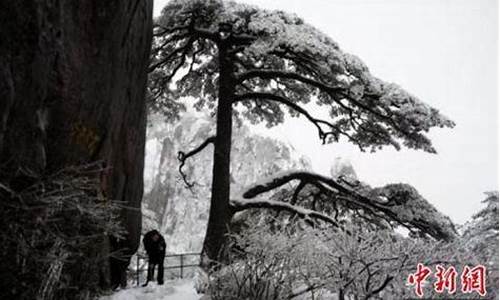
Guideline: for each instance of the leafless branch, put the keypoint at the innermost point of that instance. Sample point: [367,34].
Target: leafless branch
[181,156]
[382,286]
[296,192]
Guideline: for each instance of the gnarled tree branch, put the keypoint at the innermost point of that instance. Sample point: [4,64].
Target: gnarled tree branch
[182,156]
[344,193]
[183,52]
[340,91]
[271,74]
[307,214]
[283,100]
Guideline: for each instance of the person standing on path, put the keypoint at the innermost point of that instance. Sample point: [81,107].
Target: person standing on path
[155,246]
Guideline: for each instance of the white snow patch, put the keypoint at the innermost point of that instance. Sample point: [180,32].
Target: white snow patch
[171,290]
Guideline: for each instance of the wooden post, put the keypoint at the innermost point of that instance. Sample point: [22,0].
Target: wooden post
[182,264]
[137,271]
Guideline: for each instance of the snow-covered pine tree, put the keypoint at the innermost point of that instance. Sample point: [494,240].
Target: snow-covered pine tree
[241,61]
[480,237]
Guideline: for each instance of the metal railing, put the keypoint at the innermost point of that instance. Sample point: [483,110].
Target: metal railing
[142,267]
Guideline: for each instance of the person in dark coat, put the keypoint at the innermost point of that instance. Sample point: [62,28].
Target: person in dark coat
[155,246]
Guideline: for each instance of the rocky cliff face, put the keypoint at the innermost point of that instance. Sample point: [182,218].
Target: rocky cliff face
[181,213]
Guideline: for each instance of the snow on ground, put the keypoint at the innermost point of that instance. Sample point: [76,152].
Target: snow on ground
[171,290]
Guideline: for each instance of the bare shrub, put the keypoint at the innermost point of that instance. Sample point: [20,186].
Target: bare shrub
[266,265]
[56,229]
[316,263]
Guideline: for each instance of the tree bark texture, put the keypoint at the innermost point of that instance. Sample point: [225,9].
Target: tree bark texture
[220,212]
[72,91]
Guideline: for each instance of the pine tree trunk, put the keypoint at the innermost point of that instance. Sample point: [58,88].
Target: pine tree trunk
[220,213]
[341,294]
[72,90]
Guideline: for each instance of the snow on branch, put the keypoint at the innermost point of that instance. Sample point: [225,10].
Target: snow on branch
[178,53]
[307,214]
[279,54]
[182,156]
[335,92]
[270,74]
[402,205]
[283,100]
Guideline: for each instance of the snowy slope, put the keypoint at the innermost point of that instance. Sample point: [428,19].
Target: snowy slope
[171,290]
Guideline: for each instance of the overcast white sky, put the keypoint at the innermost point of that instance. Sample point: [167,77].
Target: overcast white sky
[444,52]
